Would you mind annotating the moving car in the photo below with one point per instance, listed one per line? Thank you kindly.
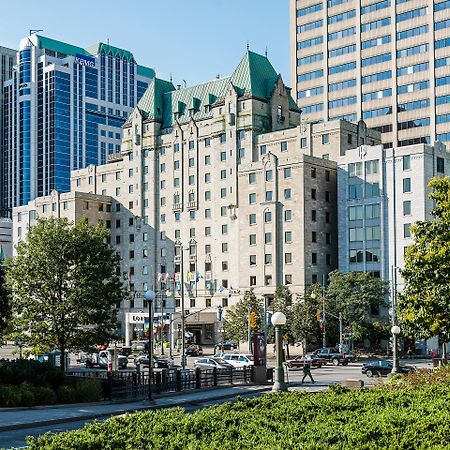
(139, 346)
(382, 367)
(194, 350)
(238, 360)
(210, 363)
(333, 355)
(159, 363)
(299, 361)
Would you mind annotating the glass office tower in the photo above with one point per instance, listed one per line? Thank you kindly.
(63, 110)
(384, 61)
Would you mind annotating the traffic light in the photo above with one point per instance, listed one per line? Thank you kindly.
(252, 319)
(318, 315)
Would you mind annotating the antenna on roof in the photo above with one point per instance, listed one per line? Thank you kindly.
(218, 76)
(248, 46)
(107, 41)
(266, 51)
(171, 78)
(185, 84)
(34, 31)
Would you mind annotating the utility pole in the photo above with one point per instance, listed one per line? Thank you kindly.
(324, 337)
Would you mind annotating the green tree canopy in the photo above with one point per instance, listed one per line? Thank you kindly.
(64, 286)
(424, 305)
(357, 295)
(5, 307)
(236, 319)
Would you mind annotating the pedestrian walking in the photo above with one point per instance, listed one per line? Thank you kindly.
(307, 372)
(409, 353)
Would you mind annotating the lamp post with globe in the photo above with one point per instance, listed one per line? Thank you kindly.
(278, 320)
(395, 330)
(150, 297)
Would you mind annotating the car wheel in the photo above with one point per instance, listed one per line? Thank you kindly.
(369, 373)
(335, 361)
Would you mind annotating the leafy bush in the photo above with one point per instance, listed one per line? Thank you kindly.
(67, 394)
(34, 372)
(88, 390)
(45, 395)
(337, 419)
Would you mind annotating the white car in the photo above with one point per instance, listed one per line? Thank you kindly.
(238, 360)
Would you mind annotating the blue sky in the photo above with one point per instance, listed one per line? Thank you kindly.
(193, 39)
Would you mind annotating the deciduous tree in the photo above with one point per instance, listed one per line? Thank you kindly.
(424, 305)
(64, 286)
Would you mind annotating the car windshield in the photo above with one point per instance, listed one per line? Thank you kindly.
(221, 361)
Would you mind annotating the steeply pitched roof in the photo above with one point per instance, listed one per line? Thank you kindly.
(254, 76)
(61, 47)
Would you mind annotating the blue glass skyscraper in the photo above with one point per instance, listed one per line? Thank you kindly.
(63, 110)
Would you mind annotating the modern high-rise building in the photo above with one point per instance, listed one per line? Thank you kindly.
(63, 110)
(384, 61)
(7, 61)
(220, 184)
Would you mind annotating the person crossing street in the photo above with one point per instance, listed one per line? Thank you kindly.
(307, 372)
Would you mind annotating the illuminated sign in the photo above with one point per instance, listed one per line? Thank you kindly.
(84, 60)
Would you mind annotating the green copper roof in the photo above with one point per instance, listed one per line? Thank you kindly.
(115, 51)
(254, 76)
(145, 71)
(61, 47)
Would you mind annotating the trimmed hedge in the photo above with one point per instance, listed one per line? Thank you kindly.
(337, 419)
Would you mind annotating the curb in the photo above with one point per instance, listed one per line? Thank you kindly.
(41, 423)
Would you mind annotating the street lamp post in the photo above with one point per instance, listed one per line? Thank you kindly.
(278, 320)
(395, 330)
(150, 296)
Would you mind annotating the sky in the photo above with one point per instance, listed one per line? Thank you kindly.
(194, 40)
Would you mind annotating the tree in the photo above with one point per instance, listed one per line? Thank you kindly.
(304, 323)
(282, 301)
(64, 286)
(424, 305)
(236, 319)
(357, 295)
(5, 307)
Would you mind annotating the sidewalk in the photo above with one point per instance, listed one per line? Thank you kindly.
(21, 418)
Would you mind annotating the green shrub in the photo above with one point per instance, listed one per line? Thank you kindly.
(27, 394)
(88, 390)
(45, 395)
(338, 419)
(11, 396)
(34, 372)
(67, 394)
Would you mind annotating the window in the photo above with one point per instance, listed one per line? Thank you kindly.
(314, 236)
(268, 258)
(303, 142)
(287, 172)
(372, 233)
(287, 215)
(375, 6)
(288, 258)
(406, 162)
(223, 211)
(223, 156)
(355, 213)
(192, 215)
(406, 184)
(356, 256)
(341, 85)
(342, 33)
(263, 149)
(252, 219)
(253, 280)
(252, 239)
(253, 260)
(267, 238)
(375, 24)
(131, 237)
(328, 238)
(207, 195)
(223, 174)
(411, 14)
(288, 237)
(207, 142)
(412, 32)
(440, 164)
(284, 146)
(176, 164)
(313, 193)
(376, 42)
(223, 192)
(191, 162)
(225, 229)
(372, 211)
(407, 230)
(269, 175)
(327, 217)
(338, 103)
(287, 194)
(313, 172)
(207, 213)
(325, 138)
(309, 9)
(207, 160)
(378, 76)
(267, 217)
(223, 138)
(355, 169)
(313, 215)
(407, 207)
(356, 234)
(224, 247)
(309, 76)
(342, 51)
(268, 280)
(309, 26)
(341, 17)
(309, 59)
(310, 42)
(314, 258)
(375, 59)
(269, 196)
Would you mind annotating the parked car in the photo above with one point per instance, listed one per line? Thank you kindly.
(210, 363)
(159, 363)
(138, 347)
(333, 355)
(194, 350)
(228, 345)
(238, 360)
(100, 360)
(299, 361)
(382, 367)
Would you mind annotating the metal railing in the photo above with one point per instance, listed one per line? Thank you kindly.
(127, 384)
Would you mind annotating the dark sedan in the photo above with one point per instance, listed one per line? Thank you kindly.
(160, 363)
(382, 367)
(299, 362)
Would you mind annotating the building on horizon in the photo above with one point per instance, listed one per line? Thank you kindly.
(386, 62)
(64, 107)
(7, 61)
(227, 171)
(381, 193)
